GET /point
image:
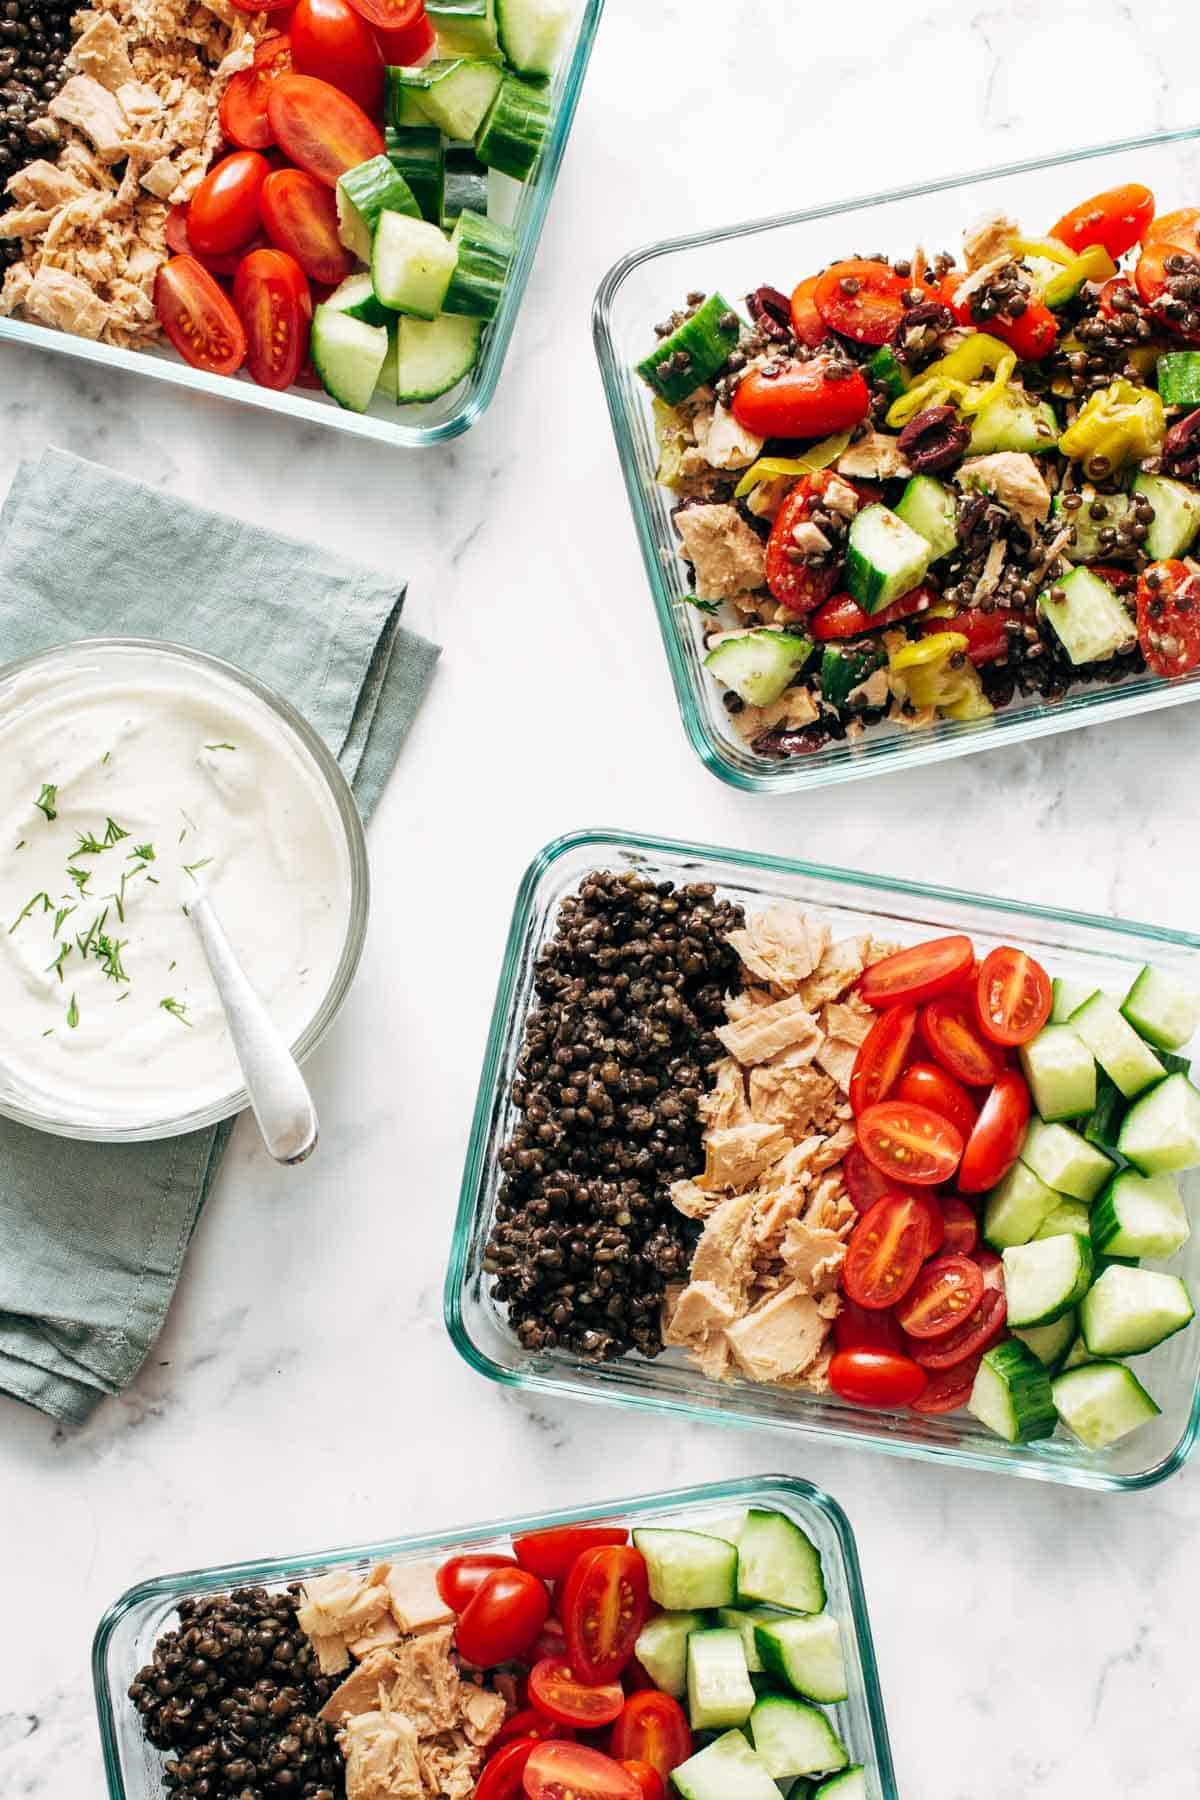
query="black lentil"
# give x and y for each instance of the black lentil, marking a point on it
(35, 36)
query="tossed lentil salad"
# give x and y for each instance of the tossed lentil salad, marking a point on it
(912, 489)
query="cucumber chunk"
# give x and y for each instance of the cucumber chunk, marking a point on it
(1161, 1011)
(718, 1681)
(1010, 422)
(1128, 1311)
(484, 253)
(1077, 1355)
(1061, 1072)
(356, 296)
(793, 1738)
(885, 558)
(730, 1528)
(386, 384)
(778, 1564)
(1116, 1046)
(1068, 1215)
(693, 353)
(1016, 1208)
(531, 33)
(1101, 1403)
(758, 665)
(1045, 1279)
(1176, 515)
(456, 94)
(883, 369)
(662, 1648)
(845, 666)
(930, 508)
(851, 1784)
(465, 187)
(1115, 509)
(1161, 1131)
(362, 193)
(1090, 621)
(411, 265)
(726, 1769)
(348, 355)
(1065, 1161)
(1012, 1394)
(1102, 1126)
(1050, 1343)
(433, 355)
(687, 1570)
(806, 1653)
(511, 134)
(1139, 1215)
(1177, 374)
(419, 155)
(737, 1618)
(464, 27)
(1065, 997)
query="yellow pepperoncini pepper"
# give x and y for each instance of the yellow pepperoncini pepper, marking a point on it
(926, 669)
(769, 468)
(1118, 424)
(1092, 264)
(1050, 249)
(954, 379)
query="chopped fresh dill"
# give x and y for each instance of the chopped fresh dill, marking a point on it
(73, 1013)
(188, 818)
(113, 833)
(45, 801)
(80, 877)
(119, 896)
(88, 845)
(123, 996)
(177, 1010)
(49, 1031)
(64, 912)
(182, 834)
(105, 757)
(97, 925)
(64, 950)
(190, 868)
(21, 845)
(47, 906)
(153, 878)
(143, 851)
(108, 955)
(170, 966)
(220, 746)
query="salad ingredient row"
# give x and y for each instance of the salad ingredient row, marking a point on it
(34, 44)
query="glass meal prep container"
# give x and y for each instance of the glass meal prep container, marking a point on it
(127, 1633)
(404, 427)
(1099, 952)
(649, 283)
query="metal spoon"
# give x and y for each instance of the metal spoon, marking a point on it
(278, 1093)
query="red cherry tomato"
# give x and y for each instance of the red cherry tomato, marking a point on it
(320, 128)
(946, 1292)
(554, 1689)
(951, 1030)
(1117, 219)
(865, 1184)
(909, 1143)
(1032, 336)
(331, 40)
(650, 1782)
(198, 318)
(870, 312)
(885, 1251)
(876, 1378)
(935, 1224)
(796, 585)
(573, 1772)
(529, 1723)
(404, 48)
(262, 6)
(948, 1389)
(843, 617)
(960, 1225)
(881, 1057)
(275, 307)
(653, 1729)
(932, 1087)
(605, 1603)
(223, 211)
(550, 1554)
(502, 1618)
(551, 1641)
(461, 1578)
(807, 324)
(243, 107)
(805, 400)
(1013, 996)
(986, 633)
(179, 244)
(502, 1776)
(391, 15)
(299, 215)
(917, 973)
(308, 377)
(992, 1266)
(992, 1148)
(1168, 618)
(976, 1334)
(1180, 227)
(866, 1328)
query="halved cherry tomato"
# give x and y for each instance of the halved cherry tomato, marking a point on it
(872, 308)
(1168, 618)
(299, 215)
(1032, 335)
(917, 973)
(573, 1772)
(307, 376)
(653, 1729)
(332, 40)
(407, 46)
(1117, 219)
(320, 128)
(634, 1678)
(991, 1150)
(807, 323)
(275, 307)
(986, 633)
(992, 1266)
(529, 1723)
(460, 1578)
(554, 1689)
(1013, 996)
(976, 1333)
(650, 1782)
(866, 1328)
(550, 1554)
(1150, 271)
(605, 1603)
(390, 15)
(1106, 300)
(950, 1028)
(223, 211)
(949, 1389)
(198, 318)
(932, 1087)
(1180, 227)
(180, 244)
(243, 108)
(909, 1143)
(881, 1057)
(502, 1617)
(502, 1776)
(796, 585)
(804, 400)
(946, 1292)
(885, 1251)
(843, 617)
(960, 1225)
(865, 1184)
(876, 1378)
(935, 1224)
(263, 6)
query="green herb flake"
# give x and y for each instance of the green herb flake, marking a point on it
(97, 925)
(64, 950)
(49, 1031)
(190, 868)
(47, 906)
(63, 913)
(177, 1010)
(45, 801)
(144, 852)
(108, 955)
(21, 845)
(113, 833)
(73, 1013)
(88, 845)
(220, 746)
(80, 877)
(105, 757)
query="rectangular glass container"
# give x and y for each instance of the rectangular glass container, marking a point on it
(127, 1633)
(1105, 953)
(406, 427)
(650, 283)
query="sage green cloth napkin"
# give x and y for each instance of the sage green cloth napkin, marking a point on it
(92, 1236)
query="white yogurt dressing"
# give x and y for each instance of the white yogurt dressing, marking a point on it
(161, 775)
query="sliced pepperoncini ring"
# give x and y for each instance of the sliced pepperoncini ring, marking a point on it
(1117, 424)
(769, 468)
(1092, 264)
(1051, 248)
(923, 651)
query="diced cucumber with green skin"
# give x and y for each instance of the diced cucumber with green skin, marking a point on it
(371, 188)
(1117, 510)
(1139, 1215)
(1089, 621)
(844, 666)
(885, 558)
(1016, 1208)
(419, 155)
(1061, 1072)
(1161, 1011)
(464, 27)
(1102, 1126)
(1065, 997)
(726, 1769)
(1077, 1355)
(1102, 1402)
(729, 1528)
(793, 1738)
(514, 128)
(807, 1654)
(466, 185)
(1177, 373)
(1012, 1394)
(1047, 1278)
(434, 355)
(1116, 1046)
(706, 343)
(357, 297)
(741, 1619)
(851, 1784)
(884, 370)
(778, 1564)
(1050, 1343)
(687, 1570)
(348, 355)
(386, 385)
(484, 252)
(758, 665)
(1065, 1161)
(1010, 423)
(1176, 515)
(1068, 1215)
(931, 509)
(1174, 1064)
(411, 265)
(1160, 1133)
(718, 1681)
(455, 94)
(531, 33)
(662, 1648)
(1129, 1311)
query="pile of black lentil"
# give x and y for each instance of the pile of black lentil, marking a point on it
(232, 1696)
(629, 992)
(35, 36)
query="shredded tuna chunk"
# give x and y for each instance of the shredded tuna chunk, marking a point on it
(781, 944)
(779, 1339)
(727, 556)
(1013, 478)
(382, 1762)
(989, 240)
(735, 1158)
(784, 1025)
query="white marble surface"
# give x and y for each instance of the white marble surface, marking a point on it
(304, 1394)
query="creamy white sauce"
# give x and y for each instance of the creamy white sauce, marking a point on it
(205, 784)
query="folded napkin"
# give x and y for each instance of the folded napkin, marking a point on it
(92, 1236)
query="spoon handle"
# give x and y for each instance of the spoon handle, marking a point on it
(278, 1093)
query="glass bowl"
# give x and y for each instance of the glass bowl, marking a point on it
(91, 656)
(1102, 952)
(407, 427)
(651, 282)
(126, 1634)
